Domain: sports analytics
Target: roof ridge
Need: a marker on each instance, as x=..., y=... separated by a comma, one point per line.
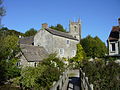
x=59, y=33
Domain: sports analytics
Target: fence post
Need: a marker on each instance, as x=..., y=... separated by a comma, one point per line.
x=91, y=85
x=80, y=77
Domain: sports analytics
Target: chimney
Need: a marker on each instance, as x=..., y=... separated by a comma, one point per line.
x=119, y=21
x=44, y=25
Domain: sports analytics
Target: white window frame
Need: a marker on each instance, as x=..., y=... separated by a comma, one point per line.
x=111, y=49
x=61, y=51
x=73, y=53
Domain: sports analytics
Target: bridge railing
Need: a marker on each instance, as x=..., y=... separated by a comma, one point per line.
x=85, y=85
x=62, y=83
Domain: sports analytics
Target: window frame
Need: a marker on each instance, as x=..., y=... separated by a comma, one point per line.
x=113, y=47
x=61, y=51
x=73, y=53
x=68, y=43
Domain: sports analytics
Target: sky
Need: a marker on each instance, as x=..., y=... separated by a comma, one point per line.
x=97, y=16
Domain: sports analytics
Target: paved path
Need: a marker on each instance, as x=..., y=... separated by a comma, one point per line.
x=74, y=80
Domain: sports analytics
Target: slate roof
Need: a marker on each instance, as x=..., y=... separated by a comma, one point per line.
x=33, y=53
x=59, y=33
x=114, y=34
x=27, y=40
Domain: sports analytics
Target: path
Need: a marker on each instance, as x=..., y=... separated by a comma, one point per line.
x=74, y=80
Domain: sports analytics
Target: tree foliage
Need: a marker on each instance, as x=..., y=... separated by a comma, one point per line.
x=12, y=69
x=4, y=31
x=2, y=11
x=103, y=76
x=8, y=49
x=58, y=27
x=42, y=76
x=30, y=32
x=93, y=47
x=80, y=54
x=76, y=61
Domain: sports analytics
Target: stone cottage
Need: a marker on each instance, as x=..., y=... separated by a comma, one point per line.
x=46, y=41
x=114, y=41
x=31, y=55
x=62, y=43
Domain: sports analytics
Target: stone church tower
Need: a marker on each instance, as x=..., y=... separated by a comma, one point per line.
x=75, y=29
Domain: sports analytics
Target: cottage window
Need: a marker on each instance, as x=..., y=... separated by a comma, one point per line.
x=18, y=63
x=61, y=51
x=68, y=41
x=113, y=46
x=35, y=64
x=73, y=53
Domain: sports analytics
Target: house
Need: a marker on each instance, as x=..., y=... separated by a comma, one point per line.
x=32, y=55
x=114, y=41
x=62, y=43
x=46, y=41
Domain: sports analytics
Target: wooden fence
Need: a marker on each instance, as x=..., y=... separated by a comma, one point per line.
x=84, y=83
x=62, y=83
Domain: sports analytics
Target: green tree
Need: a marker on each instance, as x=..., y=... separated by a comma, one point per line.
x=2, y=11
x=80, y=54
x=30, y=74
x=30, y=32
x=3, y=71
x=58, y=27
x=76, y=61
x=102, y=75
x=93, y=47
x=42, y=76
x=11, y=45
x=12, y=69
x=8, y=49
x=4, y=32
x=53, y=61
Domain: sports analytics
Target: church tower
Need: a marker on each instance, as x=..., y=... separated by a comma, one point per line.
x=75, y=29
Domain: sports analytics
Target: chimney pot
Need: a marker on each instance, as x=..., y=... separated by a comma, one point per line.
x=44, y=25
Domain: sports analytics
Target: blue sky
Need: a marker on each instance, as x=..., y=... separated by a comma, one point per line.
x=97, y=16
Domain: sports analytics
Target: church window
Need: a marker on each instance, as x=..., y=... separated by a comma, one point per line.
x=75, y=28
x=113, y=46
x=61, y=51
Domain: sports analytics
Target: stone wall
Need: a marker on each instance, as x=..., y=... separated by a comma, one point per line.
x=45, y=39
x=53, y=44
x=23, y=61
x=62, y=43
